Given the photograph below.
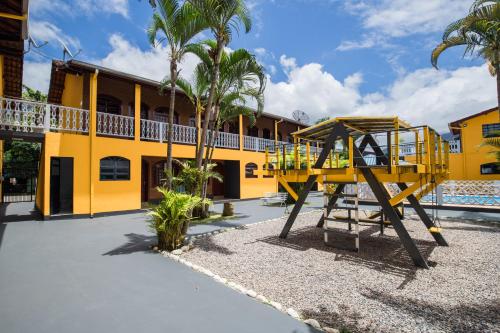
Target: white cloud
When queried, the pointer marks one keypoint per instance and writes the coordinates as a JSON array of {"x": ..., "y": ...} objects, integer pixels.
[
  {"x": 46, "y": 31},
  {"x": 260, "y": 51},
  {"x": 77, "y": 7},
  {"x": 124, "y": 56},
  {"x": 396, "y": 18},
  {"x": 152, "y": 63},
  {"x": 36, "y": 75},
  {"x": 425, "y": 96},
  {"x": 367, "y": 41}
]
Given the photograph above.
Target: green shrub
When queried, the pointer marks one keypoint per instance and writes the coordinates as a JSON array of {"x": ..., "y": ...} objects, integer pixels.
[{"x": 170, "y": 218}]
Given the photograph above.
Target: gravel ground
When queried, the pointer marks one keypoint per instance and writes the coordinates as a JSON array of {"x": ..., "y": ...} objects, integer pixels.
[{"x": 376, "y": 290}]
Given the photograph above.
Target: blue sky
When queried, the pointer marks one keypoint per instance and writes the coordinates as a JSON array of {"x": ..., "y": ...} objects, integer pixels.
[{"x": 325, "y": 57}]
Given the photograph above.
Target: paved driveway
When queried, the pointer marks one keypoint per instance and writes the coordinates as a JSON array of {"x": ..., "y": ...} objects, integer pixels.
[{"x": 98, "y": 275}]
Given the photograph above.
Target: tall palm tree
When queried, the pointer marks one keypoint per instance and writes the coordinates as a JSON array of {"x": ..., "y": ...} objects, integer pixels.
[
  {"x": 221, "y": 17},
  {"x": 478, "y": 31},
  {"x": 177, "y": 24},
  {"x": 242, "y": 79},
  {"x": 196, "y": 91}
]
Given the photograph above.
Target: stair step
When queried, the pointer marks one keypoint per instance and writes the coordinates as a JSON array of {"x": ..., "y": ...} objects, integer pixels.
[{"x": 333, "y": 219}]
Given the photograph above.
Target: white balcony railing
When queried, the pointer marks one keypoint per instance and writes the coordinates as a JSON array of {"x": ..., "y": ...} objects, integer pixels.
[
  {"x": 152, "y": 130},
  {"x": 29, "y": 116},
  {"x": 226, "y": 140},
  {"x": 157, "y": 131},
  {"x": 115, "y": 125},
  {"x": 259, "y": 144}
]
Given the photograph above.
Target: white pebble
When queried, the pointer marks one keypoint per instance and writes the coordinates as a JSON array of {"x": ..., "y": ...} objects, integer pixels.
[
  {"x": 276, "y": 305},
  {"x": 263, "y": 299},
  {"x": 292, "y": 313},
  {"x": 313, "y": 323}
]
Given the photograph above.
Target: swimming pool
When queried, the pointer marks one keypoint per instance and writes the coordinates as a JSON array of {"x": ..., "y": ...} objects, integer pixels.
[{"x": 483, "y": 200}]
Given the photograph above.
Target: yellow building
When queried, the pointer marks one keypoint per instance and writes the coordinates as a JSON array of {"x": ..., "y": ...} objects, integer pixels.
[
  {"x": 104, "y": 142},
  {"x": 469, "y": 159}
]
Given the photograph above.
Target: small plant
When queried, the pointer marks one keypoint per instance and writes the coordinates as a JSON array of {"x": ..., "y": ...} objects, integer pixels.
[{"x": 170, "y": 218}]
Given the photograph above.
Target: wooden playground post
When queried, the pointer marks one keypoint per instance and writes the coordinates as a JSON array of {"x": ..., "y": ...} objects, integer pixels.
[
  {"x": 396, "y": 143},
  {"x": 308, "y": 155},
  {"x": 417, "y": 149},
  {"x": 351, "y": 152}
]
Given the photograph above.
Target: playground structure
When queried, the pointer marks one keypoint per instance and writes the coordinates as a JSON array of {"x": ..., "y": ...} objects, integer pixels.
[{"x": 347, "y": 151}]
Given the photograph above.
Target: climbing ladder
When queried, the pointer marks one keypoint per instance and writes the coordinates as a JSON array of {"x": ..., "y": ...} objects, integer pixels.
[{"x": 349, "y": 202}]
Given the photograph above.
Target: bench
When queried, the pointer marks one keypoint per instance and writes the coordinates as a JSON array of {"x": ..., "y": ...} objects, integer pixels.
[{"x": 271, "y": 197}]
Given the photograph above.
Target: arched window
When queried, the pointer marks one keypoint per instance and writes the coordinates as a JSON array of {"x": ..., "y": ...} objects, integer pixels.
[
  {"x": 253, "y": 131},
  {"x": 192, "y": 121},
  {"x": 108, "y": 104},
  {"x": 161, "y": 114},
  {"x": 270, "y": 166},
  {"x": 144, "y": 111},
  {"x": 249, "y": 169},
  {"x": 114, "y": 168},
  {"x": 233, "y": 127},
  {"x": 266, "y": 133}
]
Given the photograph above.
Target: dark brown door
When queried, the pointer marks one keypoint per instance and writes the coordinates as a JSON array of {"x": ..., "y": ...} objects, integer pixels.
[
  {"x": 145, "y": 182},
  {"x": 218, "y": 187},
  {"x": 61, "y": 185}
]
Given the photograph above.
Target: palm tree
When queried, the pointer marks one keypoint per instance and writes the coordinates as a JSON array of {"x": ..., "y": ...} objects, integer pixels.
[
  {"x": 196, "y": 91},
  {"x": 478, "y": 31},
  {"x": 177, "y": 24},
  {"x": 242, "y": 79},
  {"x": 221, "y": 17}
]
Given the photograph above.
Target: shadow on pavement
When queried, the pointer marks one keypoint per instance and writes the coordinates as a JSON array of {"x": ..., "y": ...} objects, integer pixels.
[{"x": 136, "y": 243}]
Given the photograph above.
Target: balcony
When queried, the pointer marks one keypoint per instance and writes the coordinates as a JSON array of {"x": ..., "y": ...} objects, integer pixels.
[{"x": 37, "y": 117}]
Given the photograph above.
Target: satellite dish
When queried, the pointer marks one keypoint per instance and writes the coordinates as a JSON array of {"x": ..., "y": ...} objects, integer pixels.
[
  {"x": 66, "y": 51},
  {"x": 300, "y": 116},
  {"x": 32, "y": 42}
]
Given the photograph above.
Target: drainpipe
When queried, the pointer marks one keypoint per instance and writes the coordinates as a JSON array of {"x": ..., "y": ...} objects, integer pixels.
[{"x": 92, "y": 134}]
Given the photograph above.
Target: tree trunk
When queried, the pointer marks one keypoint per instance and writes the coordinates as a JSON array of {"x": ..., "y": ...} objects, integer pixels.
[
  {"x": 208, "y": 157},
  {"x": 170, "y": 128},
  {"x": 208, "y": 110},
  {"x": 497, "y": 70}
]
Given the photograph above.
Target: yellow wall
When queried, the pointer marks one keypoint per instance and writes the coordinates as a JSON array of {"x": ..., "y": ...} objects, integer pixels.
[
  {"x": 126, "y": 195},
  {"x": 90, "y": 194},
  {"x": 73, "y": 91},
  {"x": 466, "y": 165}
]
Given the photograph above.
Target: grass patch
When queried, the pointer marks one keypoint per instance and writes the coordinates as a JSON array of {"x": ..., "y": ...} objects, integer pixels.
[{"x": 212, "y": 219}]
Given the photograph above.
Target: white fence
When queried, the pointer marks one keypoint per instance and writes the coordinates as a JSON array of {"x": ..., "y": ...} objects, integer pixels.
[
  {"x": 29, "y": 116},
  {"x": 453, "y": 192},
  {"x": 115, "y": 125},
  {"x": 226, "y": 140},
  {"x": 260, "y": 144}
]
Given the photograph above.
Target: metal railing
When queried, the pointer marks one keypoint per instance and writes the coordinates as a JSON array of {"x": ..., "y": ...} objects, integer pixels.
[
  {"x": 30, "y": 116},
  {"x": 115, "y": 125}
]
